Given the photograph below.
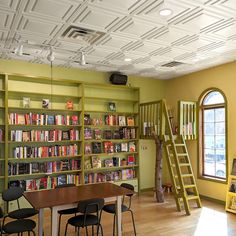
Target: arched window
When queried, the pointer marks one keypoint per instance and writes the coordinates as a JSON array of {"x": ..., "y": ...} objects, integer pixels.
[{"x": 212, "y": 135}]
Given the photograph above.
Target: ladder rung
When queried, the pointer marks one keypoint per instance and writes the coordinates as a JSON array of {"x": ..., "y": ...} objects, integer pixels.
[
  {"x": 187, "y": 175},
  {"x": 192, "y": 197},
  {"x": 184, "y": 164},
  {"x": 190, "y": 186},
  {"x": 182, "y": 154}
]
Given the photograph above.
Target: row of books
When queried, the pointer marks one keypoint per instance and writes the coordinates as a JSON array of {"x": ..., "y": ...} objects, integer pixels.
[
  {"x": 45, "y": 151},
  {"x": 1, "y": 135},
  {"x": 44, "y": 135},
  {"x": 46, "y": 182},
  {"x": 98, "y": 162},
  {"x": 109, "y": 120},
  {"x": 41, "y": 119},
  {"x": 109, "y": 176},
  {"x": 109, "y": 147},
  {"x": 46, "y": 167},
  {"x": 122, "y": 133}
]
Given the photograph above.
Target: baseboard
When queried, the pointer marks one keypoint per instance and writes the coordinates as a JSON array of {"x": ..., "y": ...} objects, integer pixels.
[{"x": 212, "y": 199}]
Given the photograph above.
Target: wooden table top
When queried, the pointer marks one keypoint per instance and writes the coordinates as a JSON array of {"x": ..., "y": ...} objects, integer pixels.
[{"x": 68, "y": 195}]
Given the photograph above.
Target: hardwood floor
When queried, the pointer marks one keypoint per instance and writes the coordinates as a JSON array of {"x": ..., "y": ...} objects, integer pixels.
[{"x": 153, "y": 219}]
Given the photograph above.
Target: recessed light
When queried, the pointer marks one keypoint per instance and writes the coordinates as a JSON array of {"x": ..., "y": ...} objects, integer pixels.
[
  {"x": 128, "y": 59},
  {"x": 165, "y": 12}
]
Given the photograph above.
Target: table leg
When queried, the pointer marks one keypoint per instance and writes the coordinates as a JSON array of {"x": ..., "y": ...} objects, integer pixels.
[
  {"x": 118, "y": 215},
  {"x": 54, "y": 223},
  {"x": 40, "y": 222}
]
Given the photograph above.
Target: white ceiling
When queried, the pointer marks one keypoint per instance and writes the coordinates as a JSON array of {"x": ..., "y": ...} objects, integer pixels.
[{"x": 200, "y": 34}]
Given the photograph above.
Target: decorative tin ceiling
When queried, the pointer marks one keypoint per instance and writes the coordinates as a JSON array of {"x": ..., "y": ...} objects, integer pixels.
[{"x": 198, "y": 35}]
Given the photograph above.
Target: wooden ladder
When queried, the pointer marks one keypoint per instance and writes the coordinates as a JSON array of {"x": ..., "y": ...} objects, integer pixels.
[{"x": 181, "y": 173}]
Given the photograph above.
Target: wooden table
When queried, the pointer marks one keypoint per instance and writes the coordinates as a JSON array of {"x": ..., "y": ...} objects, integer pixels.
[{"x": 62, "y": 198}]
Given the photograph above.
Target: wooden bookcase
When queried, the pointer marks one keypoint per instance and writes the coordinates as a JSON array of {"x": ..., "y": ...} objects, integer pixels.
[
  {"x": 43, "y": 144},
  {"x": 42, "y": 147},
  {"x": 111, "y": 134},
  {"x": 231, "y": 190},
  {"x": 187, "y": 119}
]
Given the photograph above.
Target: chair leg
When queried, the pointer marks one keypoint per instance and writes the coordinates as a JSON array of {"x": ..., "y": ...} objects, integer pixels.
[
  {"x": 66, "y": 229},
  {"x": 86, "y": 231},
  {"x": 59, "y": 225},
  {"x": 78, "y": 231},
  {"x": 132, "y": 215},
  {"x": 114, "y": 224},
  {"x": 99, "y": 226},
  {"x": 92, "y": 230},
  {"x": 33, "y": 232}
]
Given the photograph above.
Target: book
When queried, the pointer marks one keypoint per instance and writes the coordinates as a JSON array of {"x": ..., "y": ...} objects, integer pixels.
[
  {"x": 124, "y": 147},
  {"x": 107, "y": 134},
  {"x": 87, "y": 119},
  {"x": 96, "y": 162},
  {"x": 87, "y": 164},
  {"x": 96, "y": 147},
  {"x": 108, "y": 147},
  {"x": 111, "y": 106},
  {"x": 88, "y": 133},
  {"x": 117, "y": 147},
  {"x": 130, "y": 121},
  {"x": 74, "y": 120},
  {"x": 122, "y": 121},
  {"x": 45, "y": 103},
  {"x": 131, "y": 160},
  {"x": 87, "y": 148},
  {"x": 108, "y": 163},
  {"x": 65, "y": 135},
  {"x": 116, "y": 134},
  {"x": 97, "y": 133},
  {"x": 51, "y": 120},
  {"x": 26, "y": 102},
  {"x": 132, "y": 147},
  {"x": 116, "y": 161}
]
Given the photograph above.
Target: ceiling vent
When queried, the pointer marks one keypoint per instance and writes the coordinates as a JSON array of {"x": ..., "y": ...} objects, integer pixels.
[
  {"x": 173, "y": 64},
  {"x": 82, "y": 35}
]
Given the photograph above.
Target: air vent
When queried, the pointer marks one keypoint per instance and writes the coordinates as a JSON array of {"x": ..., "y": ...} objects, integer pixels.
[
  {"x": 82, "y": 35},
  {"x": 173, "y": 64}
]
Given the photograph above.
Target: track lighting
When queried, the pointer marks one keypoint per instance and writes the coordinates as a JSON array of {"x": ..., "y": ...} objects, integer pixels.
[
  {"x": 82, "y": 59},
  {"x": 51, "y": 56}
]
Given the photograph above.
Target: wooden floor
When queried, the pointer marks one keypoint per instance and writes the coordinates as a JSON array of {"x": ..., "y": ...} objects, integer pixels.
[{"x": 153, "y": 219}]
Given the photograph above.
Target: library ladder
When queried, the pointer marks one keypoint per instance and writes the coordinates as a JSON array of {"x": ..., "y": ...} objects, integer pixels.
[{"x": 181, "y": 173}]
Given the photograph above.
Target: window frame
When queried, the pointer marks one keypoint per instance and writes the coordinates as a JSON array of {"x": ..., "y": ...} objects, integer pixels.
[{"x": 201, "y": 134}]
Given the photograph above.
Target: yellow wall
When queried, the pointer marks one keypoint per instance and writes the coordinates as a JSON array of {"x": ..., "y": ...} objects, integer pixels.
[
  {"x": 150, "y": 89},
  {"x": 189, "y": 88}
]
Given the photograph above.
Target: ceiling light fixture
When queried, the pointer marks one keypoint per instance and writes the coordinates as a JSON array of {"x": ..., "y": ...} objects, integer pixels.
[
  {"x": 82, "y": 59},
  {"x": 165, "y": 11},
  {"x": 19, "y": 50},
  {"x": 128, "y": 59},
  {"x": 51, "y": 56}
]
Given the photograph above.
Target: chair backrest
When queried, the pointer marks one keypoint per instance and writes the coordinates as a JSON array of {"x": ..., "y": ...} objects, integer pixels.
[
  {"x": 65, "y": 185},
  {"x": 1, "y": 213},
  {"x": 13, "y": 193},
  {"x": 91, "y": 206},
  {"x": 128, "y": 186}
]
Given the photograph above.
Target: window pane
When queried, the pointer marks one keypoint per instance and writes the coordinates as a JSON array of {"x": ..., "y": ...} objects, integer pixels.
[
  {"x": 220, "y": 128},
  {"x": 209, "y": 141},
  {"x": 220, "y": 114},
  {"x": 209, "y": 128},
  {"x": 209, "y": 115},
  {"x": 213, "y": 136},
  {"x": 213, "y": 98}
]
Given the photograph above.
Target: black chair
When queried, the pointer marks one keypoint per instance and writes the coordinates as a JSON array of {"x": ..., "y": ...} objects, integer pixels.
[
  {"x": 111, "y": 208},
  {"x": 91, "y": 215},
  {"x": 68, "y": 211},
  {"x": 16, "y": 226},
  {"x": 14, "y": 194}
]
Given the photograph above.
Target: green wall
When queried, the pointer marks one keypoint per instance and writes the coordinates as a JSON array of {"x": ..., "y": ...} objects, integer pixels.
[{"x": 150, "y": 89}]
